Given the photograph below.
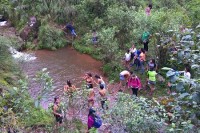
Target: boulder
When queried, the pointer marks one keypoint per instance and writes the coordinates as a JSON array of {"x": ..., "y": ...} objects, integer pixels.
[{"x": 30, "y": 31}]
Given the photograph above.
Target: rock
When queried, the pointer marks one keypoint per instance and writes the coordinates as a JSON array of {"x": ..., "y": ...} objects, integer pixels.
[
  {"x": 194, "y": 119},
  {"x": 161, "y": 78},
  {"x": 30, "y": 31},
  {"x": 2, "y": 18},
  {"x": 187, "y": 38}
]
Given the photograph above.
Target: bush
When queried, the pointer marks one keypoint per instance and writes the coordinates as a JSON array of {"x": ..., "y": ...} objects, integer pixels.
[
  {"x": 85, "y": 49},
  {"x": 112, "y": 70},
  {"x": 8, "y": 66},
  {"x": 130, "y": 114},
  {"x": 51, "y": 38}
]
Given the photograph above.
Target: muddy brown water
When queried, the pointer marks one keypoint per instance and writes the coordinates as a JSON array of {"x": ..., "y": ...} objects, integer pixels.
[{"x": 62, "y": 65}]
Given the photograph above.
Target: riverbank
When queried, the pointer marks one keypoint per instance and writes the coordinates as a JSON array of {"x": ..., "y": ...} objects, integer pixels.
[
  {"x": 73, "y": 66},
  {"x": 18, "y": 110}
]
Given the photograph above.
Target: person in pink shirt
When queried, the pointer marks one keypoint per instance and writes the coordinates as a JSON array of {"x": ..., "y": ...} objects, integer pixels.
[
  {"x": 134, "y": 83},
  {"x": 148, "y": 9}
]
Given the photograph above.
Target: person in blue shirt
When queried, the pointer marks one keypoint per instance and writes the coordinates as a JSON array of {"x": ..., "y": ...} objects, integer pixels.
[
  {"x": 136, "y": 59},
  {"x": 70, "y": 27}
]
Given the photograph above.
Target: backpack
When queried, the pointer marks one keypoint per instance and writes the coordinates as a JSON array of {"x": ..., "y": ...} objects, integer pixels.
[
  {"x": 97, "y": 121},
  {"x": 138, "y": 81}
]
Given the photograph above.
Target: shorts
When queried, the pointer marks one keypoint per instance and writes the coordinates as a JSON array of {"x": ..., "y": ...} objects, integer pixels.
[
  {"x": 104, "y": 85},
  {"x": 94, "y": 39},
  {"x": 89, "y": 86},
  {"x": 152, "y": 82},
  {"x": 73, "y": 33},
  {"x": 121, "y": 77},
  {"x": 59, "y": 119},
  {"x": 132, "y": 55}
]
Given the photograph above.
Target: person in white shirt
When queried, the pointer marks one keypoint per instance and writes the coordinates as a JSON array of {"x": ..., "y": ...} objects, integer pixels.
[
  {"x": 133, "y": 50},
  {"x": 127, "y": 58},
  {"x": 186, "y": 73}
]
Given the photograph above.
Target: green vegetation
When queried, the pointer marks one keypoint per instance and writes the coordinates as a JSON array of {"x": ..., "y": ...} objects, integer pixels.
[
  {"x": 51, "y": 38},
  {"x": 16, "y": 107},
  {"x": 8, "y": 68},
  {"x": 119, "y": 24}
]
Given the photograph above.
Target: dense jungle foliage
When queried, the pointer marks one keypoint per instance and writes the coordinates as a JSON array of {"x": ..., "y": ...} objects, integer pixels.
[{"x": 119, "y": 24}]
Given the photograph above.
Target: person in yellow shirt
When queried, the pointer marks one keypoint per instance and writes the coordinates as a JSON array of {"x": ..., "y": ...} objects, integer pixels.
[{"x": 151, "y": 80}]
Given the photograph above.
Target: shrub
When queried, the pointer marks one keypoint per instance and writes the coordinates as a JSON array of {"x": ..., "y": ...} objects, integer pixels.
[
  {"x": 51, "y": 38},
  {"x": 85, "y": 49},
  {"x": 130, "y": 114}
]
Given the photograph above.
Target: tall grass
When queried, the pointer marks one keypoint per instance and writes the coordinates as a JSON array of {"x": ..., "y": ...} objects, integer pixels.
[{"x": 56, "y": 10}]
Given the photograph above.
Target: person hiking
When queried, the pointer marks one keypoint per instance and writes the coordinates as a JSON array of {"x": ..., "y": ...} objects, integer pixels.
[
  {"x": 186, "y": 73},
  {"x": 69, "y": 88},
  {"x": 89, "y": 85},
  {"x": 127, "y": 58},
  {"x": 102, "y": 92},
  {"x": 134, "y": 83},
  {"x": 94, "y": 121},
  {"x": 152, "y": 65},
  {"x": 142, "y": 60},
  {"x": 100, "y": 81},
  {"x": 151, "y": 80},
  {"x": 123, "y": 76},
  {"x": 91, "y": 97},
  {"x": 89, "y": 80},
  {"x": 148, "y": 9},
  {"x": 136, "y": 61},
  {"x": 91, "y": 115},
  {"x": 57, "y": 111},
  {"x": 94, "y": 37},
  {"x": 71, "y": 28},
  {"x": 145, "y": 40},
  {"x": 133, "y": 51}
]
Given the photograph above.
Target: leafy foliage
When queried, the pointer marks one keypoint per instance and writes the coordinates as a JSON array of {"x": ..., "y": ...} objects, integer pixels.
[
  {"x": 51, "y": 38},
  {"x": 46, "y": 83},
  {"x": 186, "y": 103},
  {"x": 119, "y": 23},
  {"x": 131, "y": 114}
]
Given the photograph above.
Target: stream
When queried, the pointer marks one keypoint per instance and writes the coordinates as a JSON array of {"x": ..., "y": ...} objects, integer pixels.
[{"x": 63, "y": 64}]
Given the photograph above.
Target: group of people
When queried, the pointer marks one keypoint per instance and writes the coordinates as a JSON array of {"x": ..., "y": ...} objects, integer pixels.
[
  {"x": 128, "y": 79},
  {"x": 137, "y": 57},
  {"x": 69, "y": 88},
  {"x": 133, "y": 81}
]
